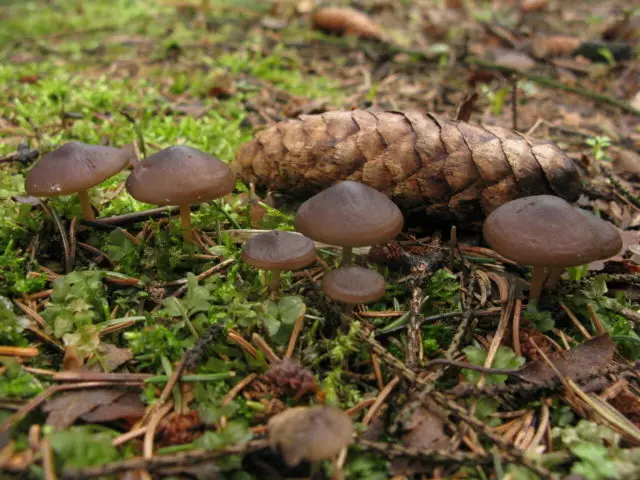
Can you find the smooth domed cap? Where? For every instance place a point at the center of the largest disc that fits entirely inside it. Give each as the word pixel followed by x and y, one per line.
pixel 310 433
pixel 74 167
pixel 353 285
pixel 277 250
pixel 546 231
pixel 349 214
pixel 180 175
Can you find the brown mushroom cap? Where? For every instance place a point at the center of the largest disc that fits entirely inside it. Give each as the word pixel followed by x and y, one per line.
pixel 74 167
pixel 349 214
pixel 547 231
pixel 310 433
pixel 278 250
pixel 180 175
pixel 354 285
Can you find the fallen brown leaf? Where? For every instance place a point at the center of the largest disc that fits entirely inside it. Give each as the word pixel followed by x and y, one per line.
pixel 66 408
pixel 346 21
pixel 531 6
pixel 426 433
pixel 128 407
pixel 554 45
pixel 587 359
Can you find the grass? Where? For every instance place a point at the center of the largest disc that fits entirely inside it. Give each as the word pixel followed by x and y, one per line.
pixel 143 71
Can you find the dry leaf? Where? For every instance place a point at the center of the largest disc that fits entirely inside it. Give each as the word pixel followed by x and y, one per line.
pixel 128 407
pixel 65 408
pixel 587 359
pixel 513 59
pixel 112 357
pixel 346 21
pixel 530 6
pixel 554 45
pixel 426 433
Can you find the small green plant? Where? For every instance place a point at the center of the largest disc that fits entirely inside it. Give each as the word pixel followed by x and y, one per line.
pixel 599 146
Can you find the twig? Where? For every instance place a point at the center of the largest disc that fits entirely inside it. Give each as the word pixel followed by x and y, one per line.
pixel 516 328
pixel 18 351
pixel 164 461
pixel 548 82
pixel 111 223
pixel 414 339
pixel 48 464
pixel 245 345
pixel 150 432
pixel 622 189
pixel 203 275
pixel 31 313
pixel 264 348
pixel 71 376
pixel 380 399
pixel 241 385
pixel 41 397
pixel 297 328
pixel 431 456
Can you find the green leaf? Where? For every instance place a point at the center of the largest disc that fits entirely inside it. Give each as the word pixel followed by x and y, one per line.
pixel 84 446
pixel 11 326
pixel 174 307
pixel 505 358
pixel 280 316
pixel 235 432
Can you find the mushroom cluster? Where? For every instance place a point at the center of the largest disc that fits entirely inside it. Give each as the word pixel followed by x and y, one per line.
pixel 177 175
pixel 348 214
pixel 351 214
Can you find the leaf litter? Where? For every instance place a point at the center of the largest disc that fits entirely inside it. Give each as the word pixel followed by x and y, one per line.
pixel 570 390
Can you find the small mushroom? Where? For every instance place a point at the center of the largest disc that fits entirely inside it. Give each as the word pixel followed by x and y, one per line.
pixel 545 231
pixel 180 176
pixel 277 251
pixel 349 214
pixel 310 433
pixel 352 286
pixel 75 167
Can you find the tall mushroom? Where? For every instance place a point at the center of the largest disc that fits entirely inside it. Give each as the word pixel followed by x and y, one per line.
pixel 349 214
pixel 310 433
pixel 352 286
pixel 547 232
pixel 277 251
pixel 180 176
pixel 75 167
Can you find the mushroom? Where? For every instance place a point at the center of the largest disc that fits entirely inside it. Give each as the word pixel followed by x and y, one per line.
pixel 310 433
pixel 75 167
pixel 180 176
pixel 277 251
pixel 353 285
pixel 349 214
pixel 545 231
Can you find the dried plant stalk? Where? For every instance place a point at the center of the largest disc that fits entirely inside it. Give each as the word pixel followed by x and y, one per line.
pixel 450 169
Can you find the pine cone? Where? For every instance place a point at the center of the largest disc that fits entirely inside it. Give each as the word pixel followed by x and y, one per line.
pixel 452 170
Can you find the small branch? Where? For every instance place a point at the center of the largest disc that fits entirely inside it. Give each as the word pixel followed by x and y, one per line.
pixel 548 82
pixel 165 461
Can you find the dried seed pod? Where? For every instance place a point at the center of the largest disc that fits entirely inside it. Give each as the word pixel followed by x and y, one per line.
pixel 451 170
pixel 347 21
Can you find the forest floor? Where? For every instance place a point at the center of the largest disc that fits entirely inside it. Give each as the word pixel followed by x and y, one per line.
pixel 126 353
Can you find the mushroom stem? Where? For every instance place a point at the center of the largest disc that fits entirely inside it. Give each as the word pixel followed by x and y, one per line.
pixel 87 211
pixel 347 314
pixel 537 281
pixel 185 218
pixel 346 256
pixel 554 275
pixel 274 286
